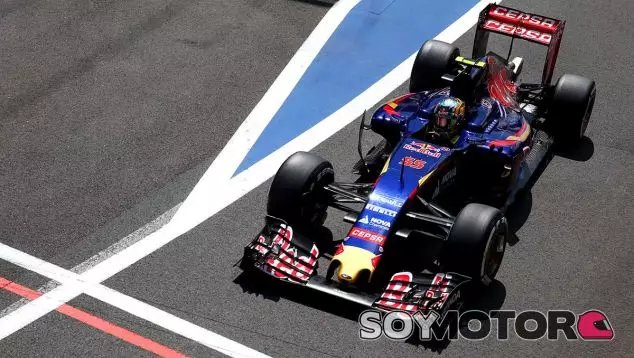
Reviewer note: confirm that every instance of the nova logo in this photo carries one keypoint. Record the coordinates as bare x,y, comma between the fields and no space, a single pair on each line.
380,222
380,210
364,220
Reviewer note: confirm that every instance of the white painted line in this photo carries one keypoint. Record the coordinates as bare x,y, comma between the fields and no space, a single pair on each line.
211,196
215,191
73,285
249,131
113,249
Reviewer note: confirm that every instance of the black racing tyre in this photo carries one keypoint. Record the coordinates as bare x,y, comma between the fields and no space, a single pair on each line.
434,59
295,194
476,243
570,108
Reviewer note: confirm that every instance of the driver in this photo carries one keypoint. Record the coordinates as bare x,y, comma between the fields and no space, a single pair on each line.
448,118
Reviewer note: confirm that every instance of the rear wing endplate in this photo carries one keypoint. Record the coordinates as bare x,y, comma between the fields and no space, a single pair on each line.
518,24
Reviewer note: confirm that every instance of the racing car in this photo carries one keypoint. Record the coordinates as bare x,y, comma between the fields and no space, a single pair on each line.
427,211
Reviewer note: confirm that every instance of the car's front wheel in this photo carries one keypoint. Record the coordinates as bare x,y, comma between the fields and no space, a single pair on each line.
296,194
476,243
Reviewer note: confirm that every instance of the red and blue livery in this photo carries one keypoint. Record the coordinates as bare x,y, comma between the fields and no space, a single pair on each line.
427,211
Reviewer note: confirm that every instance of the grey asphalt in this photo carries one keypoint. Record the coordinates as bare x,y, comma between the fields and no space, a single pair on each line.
112,111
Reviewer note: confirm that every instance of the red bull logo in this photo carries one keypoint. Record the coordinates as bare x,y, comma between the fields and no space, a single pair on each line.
425,149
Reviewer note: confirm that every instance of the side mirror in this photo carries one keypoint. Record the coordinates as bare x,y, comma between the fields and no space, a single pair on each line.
516,65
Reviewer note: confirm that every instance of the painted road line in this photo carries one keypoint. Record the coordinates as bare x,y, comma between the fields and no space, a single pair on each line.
245,136
211,196
373,39
95,322
118,246
73,285
214,192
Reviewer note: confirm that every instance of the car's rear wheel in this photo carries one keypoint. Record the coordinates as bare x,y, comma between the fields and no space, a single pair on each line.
296,194
476,243
434,59
570,108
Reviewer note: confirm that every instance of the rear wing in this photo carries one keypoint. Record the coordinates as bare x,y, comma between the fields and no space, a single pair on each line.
518,24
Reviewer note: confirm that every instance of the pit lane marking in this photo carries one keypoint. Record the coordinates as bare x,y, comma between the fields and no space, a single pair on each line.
95,322
118,246
73,285
217,189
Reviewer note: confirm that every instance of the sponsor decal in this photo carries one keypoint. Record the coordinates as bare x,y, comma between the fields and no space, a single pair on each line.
380,223
518,31
412,162
381,210
367,236
491,125
398,202
364,220
444,181
449,176
425,149
515,16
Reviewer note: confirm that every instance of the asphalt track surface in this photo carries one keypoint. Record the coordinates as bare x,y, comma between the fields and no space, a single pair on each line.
112,110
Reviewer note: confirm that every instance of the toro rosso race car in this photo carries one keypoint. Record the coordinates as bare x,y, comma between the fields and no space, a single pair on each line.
427,212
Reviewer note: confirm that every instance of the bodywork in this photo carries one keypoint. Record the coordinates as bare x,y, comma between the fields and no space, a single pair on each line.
499,140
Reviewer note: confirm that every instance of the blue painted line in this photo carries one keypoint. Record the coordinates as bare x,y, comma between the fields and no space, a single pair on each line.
374,38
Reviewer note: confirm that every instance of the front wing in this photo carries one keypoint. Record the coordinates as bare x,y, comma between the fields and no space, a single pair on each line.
289,256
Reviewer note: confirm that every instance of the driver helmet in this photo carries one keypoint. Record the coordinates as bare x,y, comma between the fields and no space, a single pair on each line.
449,114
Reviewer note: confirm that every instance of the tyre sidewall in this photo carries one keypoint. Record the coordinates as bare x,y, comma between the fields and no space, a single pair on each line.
433,60
294,195
470,241
570,108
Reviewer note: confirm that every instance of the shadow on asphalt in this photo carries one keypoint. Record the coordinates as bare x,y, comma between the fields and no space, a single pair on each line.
324,3
517,214
582,152
485,299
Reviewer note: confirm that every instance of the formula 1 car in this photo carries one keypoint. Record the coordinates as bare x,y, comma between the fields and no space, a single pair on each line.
428,214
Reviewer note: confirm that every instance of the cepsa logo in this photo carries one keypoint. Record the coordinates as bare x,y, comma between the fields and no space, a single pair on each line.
367,236
518,31
518,16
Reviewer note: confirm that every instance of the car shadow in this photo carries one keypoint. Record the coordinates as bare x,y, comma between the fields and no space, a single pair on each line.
323,3
259,284
582,152
253,282
485,299
517,214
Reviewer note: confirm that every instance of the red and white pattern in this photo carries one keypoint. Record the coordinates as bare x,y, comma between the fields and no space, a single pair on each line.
439,286
287,265
401,283
398,287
